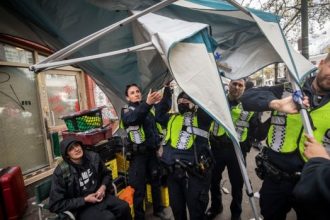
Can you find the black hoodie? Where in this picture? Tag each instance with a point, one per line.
(67, 194)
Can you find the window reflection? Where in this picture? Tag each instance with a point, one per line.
(62, 96)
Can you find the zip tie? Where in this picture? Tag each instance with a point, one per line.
(297, 98)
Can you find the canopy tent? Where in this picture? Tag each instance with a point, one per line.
(246, 43)
(184, 35)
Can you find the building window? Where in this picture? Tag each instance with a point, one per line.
(15, 54)
(21, 134)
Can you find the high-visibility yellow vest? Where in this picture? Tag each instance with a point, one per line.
(286, 130)
(182, 131)
(241, 120)
(136, 133)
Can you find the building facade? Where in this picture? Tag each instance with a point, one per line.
(31, 106)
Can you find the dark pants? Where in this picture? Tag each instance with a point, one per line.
(145, 168)
(188, 190)
(110, 208)
(276, 199)
(276, 196)
(225, 157)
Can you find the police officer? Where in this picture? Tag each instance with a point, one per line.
(246, 124)
(186, 154)
(283, 155)
(139, 122)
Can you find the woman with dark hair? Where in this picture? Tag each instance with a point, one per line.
(139, 122)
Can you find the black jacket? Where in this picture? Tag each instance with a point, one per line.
(313, 189)
(65, 192)
(139, 114)
(258, 99)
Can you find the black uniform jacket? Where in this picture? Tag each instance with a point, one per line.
(313, 189)
(139, 114)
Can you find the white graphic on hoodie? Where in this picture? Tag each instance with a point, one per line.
(85, 178)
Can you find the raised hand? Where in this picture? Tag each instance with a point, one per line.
(153, 97)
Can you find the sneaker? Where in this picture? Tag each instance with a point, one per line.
(163, 215)
(211, 213)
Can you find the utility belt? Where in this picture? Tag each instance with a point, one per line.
(224, 139)
(183, 168)
(265, 168)
(137, 149)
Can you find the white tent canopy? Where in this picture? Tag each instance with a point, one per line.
(245, 41)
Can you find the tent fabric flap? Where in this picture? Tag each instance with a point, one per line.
(194, 69)
(188, 51)
(296, 63)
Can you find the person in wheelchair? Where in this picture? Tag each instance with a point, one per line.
(81, 184)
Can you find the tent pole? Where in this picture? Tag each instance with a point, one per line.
(242, 166)
(237, 147)
(62, 63)
(70, 49)
(303, 112)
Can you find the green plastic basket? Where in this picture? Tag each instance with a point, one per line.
(84, 120)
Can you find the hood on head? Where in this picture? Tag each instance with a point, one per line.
(66, 143)
(185, 96)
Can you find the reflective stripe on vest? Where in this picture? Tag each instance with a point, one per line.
(179, 138)
(241, 120)
(284, 129)
(135, 133)
(284, 132)
(216, 129)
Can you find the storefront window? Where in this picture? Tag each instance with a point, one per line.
(101, 99)
(22, 141)
(15, 54)
(62, 96)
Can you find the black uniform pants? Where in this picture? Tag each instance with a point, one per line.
(225, 157)
(111, 208)
(188, 190)
(276, 199)
(144, 168)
